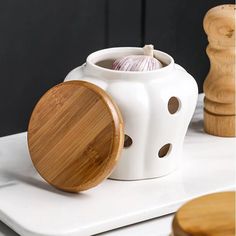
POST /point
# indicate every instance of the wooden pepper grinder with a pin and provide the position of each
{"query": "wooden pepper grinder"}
(219, 86)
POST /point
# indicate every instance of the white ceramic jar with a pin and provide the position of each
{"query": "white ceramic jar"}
(156, 106)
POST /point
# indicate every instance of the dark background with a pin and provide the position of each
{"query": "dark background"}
(42, 40)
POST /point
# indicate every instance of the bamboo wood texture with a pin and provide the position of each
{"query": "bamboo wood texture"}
(75, 136)
(219, 86)
(210, 215)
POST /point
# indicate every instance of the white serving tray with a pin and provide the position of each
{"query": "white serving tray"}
(31, 207)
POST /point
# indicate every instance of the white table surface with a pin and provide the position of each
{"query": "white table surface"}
(216, 175)
(156, 227)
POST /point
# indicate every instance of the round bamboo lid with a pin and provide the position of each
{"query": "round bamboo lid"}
(75, 136)
(211, 215)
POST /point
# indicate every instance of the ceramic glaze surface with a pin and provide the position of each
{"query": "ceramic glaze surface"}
(32, 207)
(143, 99)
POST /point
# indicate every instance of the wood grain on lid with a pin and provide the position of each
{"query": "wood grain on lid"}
(75, 135)
(210, 215)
